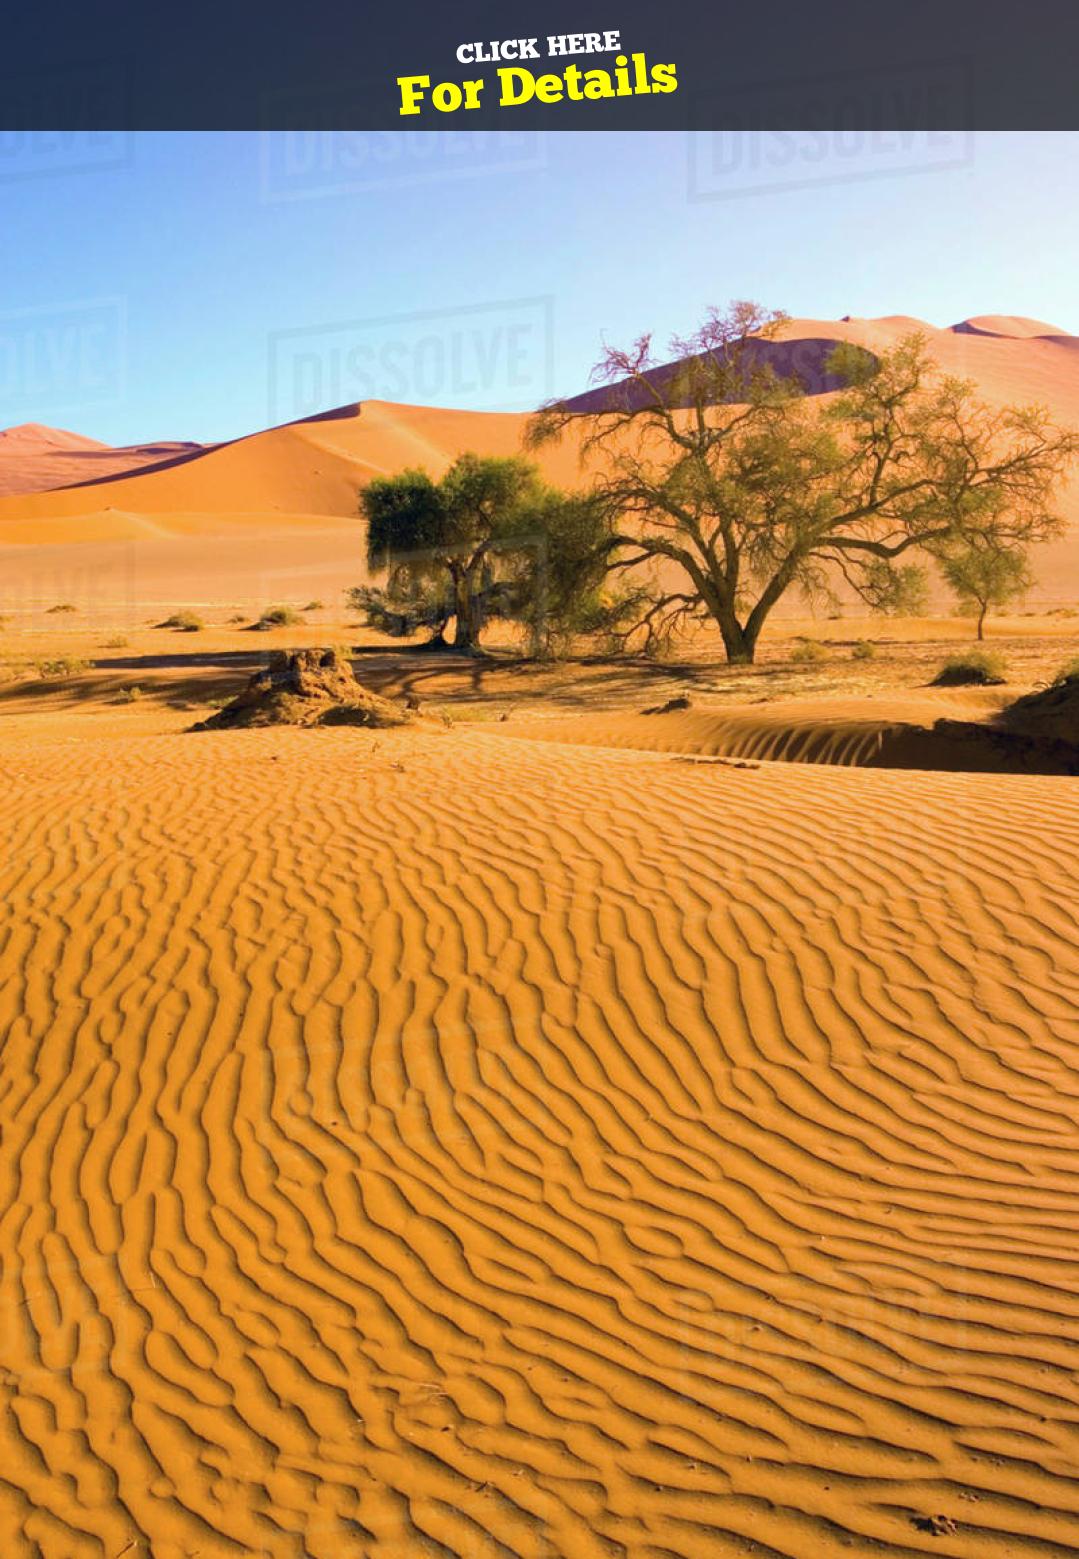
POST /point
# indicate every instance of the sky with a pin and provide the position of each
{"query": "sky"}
(203, 286)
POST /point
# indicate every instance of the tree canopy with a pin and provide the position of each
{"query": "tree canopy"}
(731, 485)
(489, 539)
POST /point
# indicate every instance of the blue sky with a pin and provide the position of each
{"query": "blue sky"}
(205, 285)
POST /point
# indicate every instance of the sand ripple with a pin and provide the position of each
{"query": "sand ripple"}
(444, 1145)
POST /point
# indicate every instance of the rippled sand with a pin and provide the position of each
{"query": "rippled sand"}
(446, 1144)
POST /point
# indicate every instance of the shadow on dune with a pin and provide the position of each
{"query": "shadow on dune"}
(804, 359)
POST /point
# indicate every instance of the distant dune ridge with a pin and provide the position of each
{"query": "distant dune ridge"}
(34, 458)
(289, 493)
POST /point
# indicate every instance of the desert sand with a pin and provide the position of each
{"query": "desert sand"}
(490, 1138)
(34, 458)
(544, 1130)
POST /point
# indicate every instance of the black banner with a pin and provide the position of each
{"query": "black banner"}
(845, 65)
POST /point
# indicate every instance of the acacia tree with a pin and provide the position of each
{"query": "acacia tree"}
(489, 539)
(983, 576)
(438, 541)
(731, 485)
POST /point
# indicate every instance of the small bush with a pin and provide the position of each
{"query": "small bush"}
(1069, 672)
(63, 606)
(118, 643)
(863, 649)
(62, 666)
(276, 617)
(314, 606)
(972, 668)
(129, 695)
(184, 622)
(237, 617)
(808, 653)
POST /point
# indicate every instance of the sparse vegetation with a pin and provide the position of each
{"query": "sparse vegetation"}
(1069, 672)
(314, 606)
(983, 575)
(60, 666)
(62, 606)
(129, 695)
(809, 652)
(863, 649)
(972, 668)
(237, 617)
(184, 622)
(276, 617)
(117, 643)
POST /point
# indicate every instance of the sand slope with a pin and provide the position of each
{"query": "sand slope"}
(34, 458)
(311, 467)
(954, 732)
(279, 478)
(463, 1146)
(272, 514)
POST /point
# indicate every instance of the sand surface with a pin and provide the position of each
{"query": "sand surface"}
(34, 458)
(445, 1143)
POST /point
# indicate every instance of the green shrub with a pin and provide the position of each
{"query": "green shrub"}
(184, 622)
(972, 668)
(863, 649)
(276, 617)
(808, 653)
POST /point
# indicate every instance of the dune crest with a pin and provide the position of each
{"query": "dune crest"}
(35, 458)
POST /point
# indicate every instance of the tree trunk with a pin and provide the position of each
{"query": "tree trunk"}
(467, 622)
(739, 642)
(468, 602)
(981, 622)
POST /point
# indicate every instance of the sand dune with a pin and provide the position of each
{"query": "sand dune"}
(34, 458)
(240, 517)
(468, 1146)
(311, 467)
(953, 733)
(317, 466)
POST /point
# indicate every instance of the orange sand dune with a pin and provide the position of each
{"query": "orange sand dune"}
(34, 458)
(240, 519)
(318, 466)
(895, 732)
(421, 1144)
(312, 467)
